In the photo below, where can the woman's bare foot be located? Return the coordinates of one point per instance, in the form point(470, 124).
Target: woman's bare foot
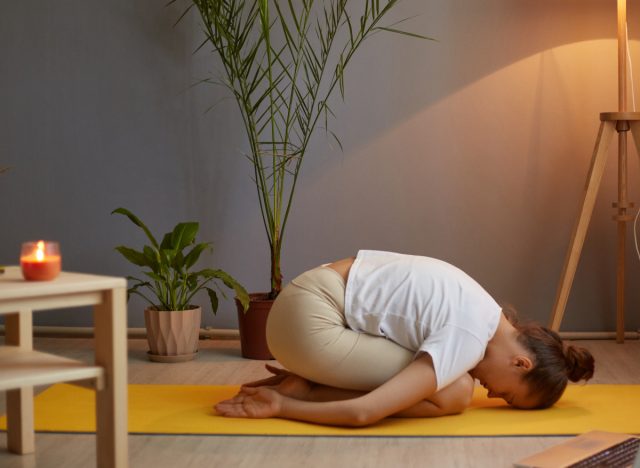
point(294, 386)
point(284, 382)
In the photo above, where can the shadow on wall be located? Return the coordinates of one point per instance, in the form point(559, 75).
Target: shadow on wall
point(501, 60)
point(475, 39)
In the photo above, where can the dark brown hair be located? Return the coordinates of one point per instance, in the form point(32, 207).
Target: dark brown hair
point(555, 364)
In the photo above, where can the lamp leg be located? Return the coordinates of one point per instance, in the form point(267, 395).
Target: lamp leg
point(621, 217)
point(598, 163)
point(622, 234)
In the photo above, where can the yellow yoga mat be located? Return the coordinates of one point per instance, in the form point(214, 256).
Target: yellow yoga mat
point(187, 409)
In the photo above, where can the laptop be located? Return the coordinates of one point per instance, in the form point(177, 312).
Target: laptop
point(592, 449)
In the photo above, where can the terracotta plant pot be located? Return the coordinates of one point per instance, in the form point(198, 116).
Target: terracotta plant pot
point(252, 325)
point(172, 335)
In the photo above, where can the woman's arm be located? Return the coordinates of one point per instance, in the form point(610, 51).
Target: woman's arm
point(411, 385)
point(453, 399)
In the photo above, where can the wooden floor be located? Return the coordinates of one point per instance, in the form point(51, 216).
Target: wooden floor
point(219, 362)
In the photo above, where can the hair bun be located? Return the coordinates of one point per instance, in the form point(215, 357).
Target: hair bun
point(580, 363)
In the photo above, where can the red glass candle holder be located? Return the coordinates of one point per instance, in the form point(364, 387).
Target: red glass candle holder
point(40, 260)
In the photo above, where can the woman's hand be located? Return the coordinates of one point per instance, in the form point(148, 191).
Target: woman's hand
point(252, 402)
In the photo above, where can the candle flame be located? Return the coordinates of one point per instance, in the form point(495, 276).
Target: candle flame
point(40, 251)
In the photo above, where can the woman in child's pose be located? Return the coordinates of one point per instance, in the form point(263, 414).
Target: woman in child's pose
point(390, 334)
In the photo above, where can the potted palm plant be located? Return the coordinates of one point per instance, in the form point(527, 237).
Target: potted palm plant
point(282, 60)
point(171, 319)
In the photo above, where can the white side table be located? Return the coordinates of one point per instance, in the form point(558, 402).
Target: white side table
point(21, 367)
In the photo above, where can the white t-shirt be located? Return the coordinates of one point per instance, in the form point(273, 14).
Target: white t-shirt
point(424, 305)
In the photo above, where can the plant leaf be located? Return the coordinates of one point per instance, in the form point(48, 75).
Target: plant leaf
point(194, 254)
point(155, 276)
point(228, 280)
point(135, 220)
point(166, 241)
point(152, 257)
point(135, 257)
point(213, 298)
point(183, 234)
point(404, 33)
point(167, 256)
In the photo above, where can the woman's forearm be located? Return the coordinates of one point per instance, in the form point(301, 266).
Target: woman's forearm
point(423, 409)
point(352, 413)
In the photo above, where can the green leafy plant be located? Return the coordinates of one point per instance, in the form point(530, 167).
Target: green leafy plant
point(282, 60)
point(168, 269)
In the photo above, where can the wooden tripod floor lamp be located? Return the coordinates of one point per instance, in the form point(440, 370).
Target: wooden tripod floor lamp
point(621, 122)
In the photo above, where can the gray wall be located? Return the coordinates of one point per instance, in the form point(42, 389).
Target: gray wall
point(473, 149)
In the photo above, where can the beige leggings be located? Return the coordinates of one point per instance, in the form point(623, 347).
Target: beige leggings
point(308, 334)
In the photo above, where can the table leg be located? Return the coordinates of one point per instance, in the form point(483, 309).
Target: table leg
point(20, 435)
point(110, 321)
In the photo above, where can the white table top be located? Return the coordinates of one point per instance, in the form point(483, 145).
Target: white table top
point(13, 286)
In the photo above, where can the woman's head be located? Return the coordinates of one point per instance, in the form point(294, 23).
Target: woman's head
point(528, 365)
point(554, 363)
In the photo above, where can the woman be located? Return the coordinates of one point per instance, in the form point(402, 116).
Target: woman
point(390, 334)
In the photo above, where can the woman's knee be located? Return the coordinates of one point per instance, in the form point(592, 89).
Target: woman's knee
point(302, 329)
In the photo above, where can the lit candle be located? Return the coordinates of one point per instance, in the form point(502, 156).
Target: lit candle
point(40, 261)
